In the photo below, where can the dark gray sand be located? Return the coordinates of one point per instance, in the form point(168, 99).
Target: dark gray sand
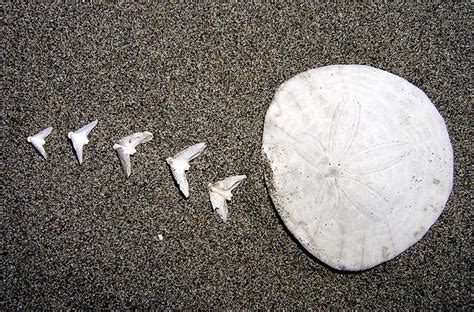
point(86, 237)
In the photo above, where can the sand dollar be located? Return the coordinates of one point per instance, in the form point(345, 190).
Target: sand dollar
point(359, 163)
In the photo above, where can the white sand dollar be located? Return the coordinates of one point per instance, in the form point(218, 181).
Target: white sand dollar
point(359, 163)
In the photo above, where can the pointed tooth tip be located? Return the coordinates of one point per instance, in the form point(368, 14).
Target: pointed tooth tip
point(224, 218)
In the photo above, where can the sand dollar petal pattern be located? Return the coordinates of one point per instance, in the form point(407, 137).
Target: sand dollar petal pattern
point(359, 163)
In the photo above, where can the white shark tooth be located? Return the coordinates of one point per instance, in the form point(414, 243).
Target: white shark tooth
point(126, 147)
point(221, 192)
point(79, 138)
point(38, 140)
point(179, 164)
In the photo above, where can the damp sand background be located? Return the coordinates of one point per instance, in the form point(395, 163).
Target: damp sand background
point(86, 237)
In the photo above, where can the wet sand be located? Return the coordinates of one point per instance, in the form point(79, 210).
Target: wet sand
point(86, 237)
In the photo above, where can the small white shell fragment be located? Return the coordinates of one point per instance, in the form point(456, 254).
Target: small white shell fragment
point(38, 140)
point(79, 138)
point(160, 237)
point(359, 163)
point(179, 164)
point(126, 146)
point(221, 192)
